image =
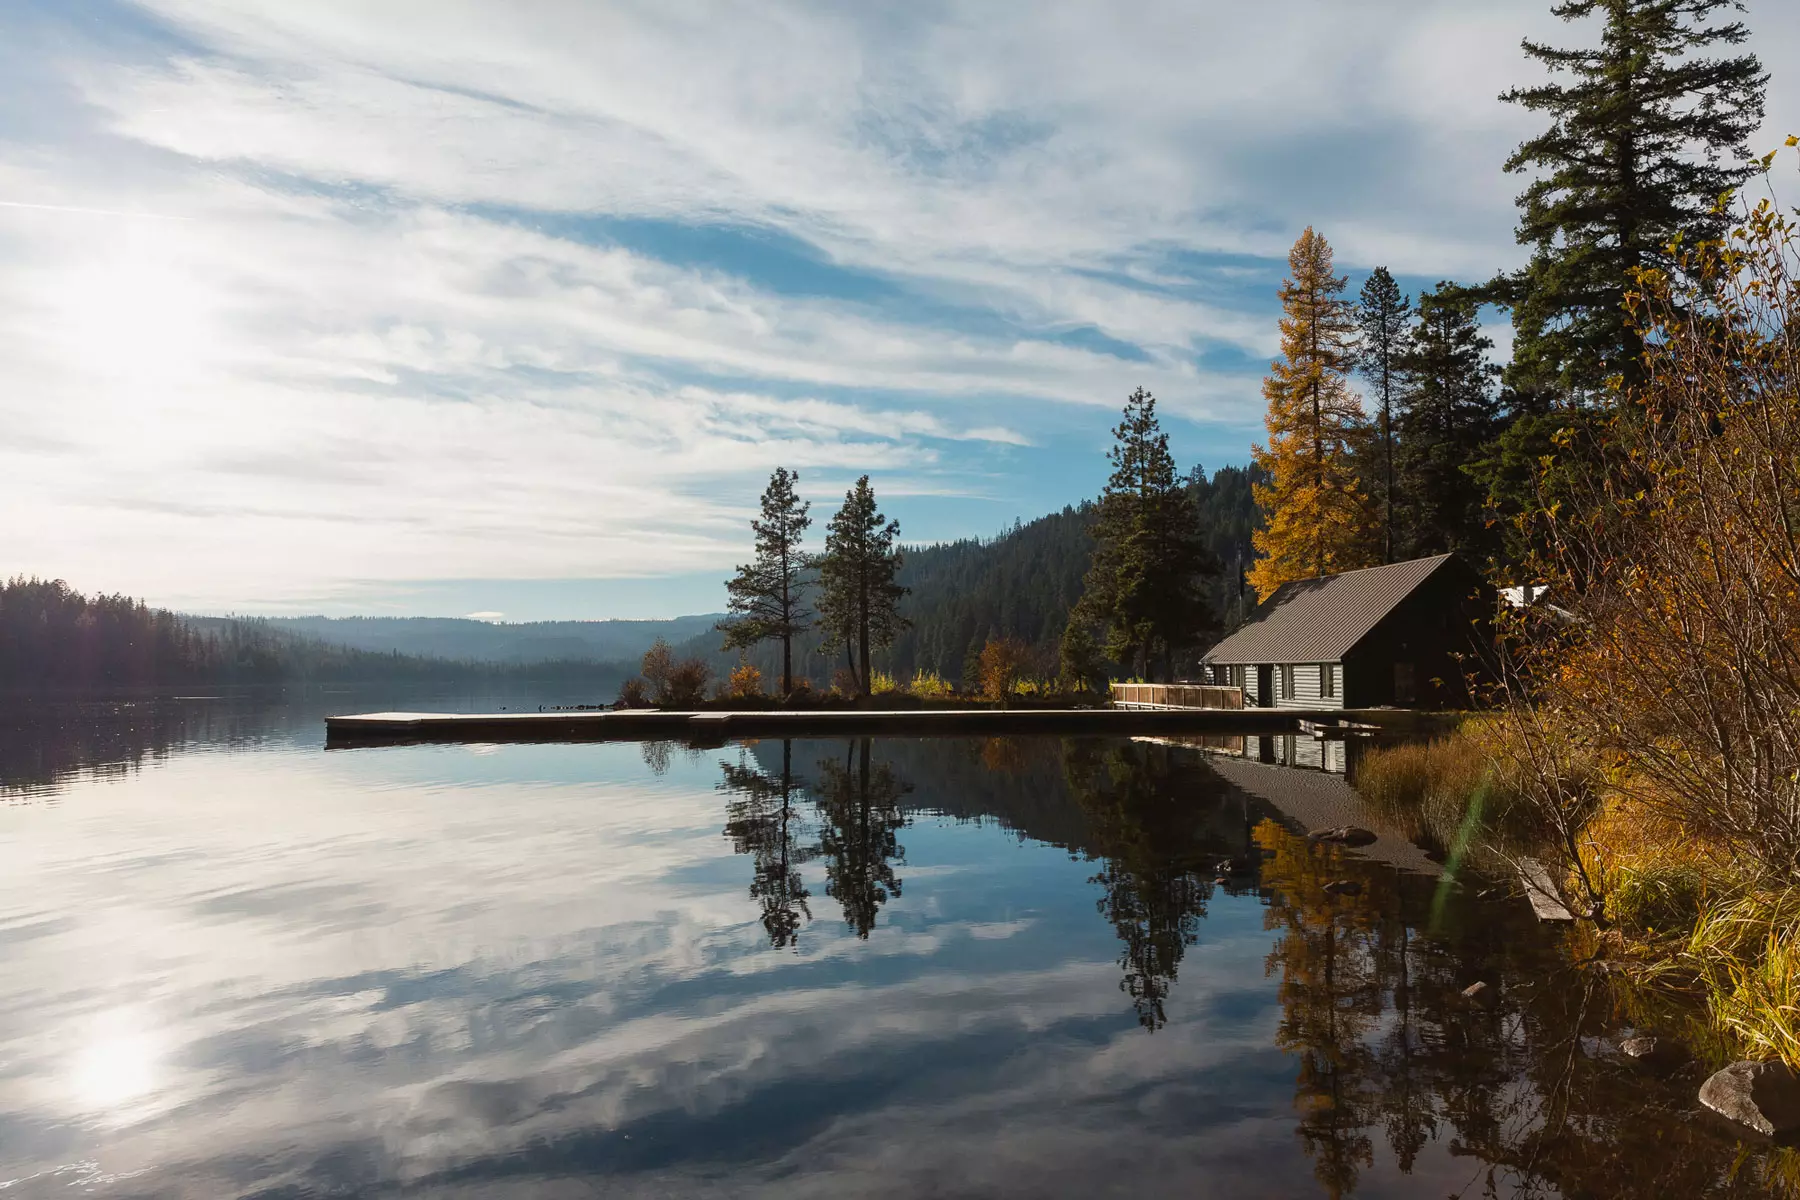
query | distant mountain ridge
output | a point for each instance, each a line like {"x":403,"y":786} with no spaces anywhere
{"x":463,"y":639}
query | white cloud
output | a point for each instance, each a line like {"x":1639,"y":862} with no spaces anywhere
{"x":370,"y":346}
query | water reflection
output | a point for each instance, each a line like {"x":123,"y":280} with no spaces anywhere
{"x":542,"y":971}
{"x":762,"y":821}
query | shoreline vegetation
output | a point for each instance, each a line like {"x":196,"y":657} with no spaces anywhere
{"x":1645,"y":736}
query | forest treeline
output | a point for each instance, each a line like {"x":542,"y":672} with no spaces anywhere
{"x":54,"y":638}
{"x":1391,"y":431}
{"x":1019,"y":585}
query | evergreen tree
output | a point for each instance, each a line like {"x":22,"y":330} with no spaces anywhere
{"x":1317,"y":520}
{"x":1079,"y":665}
{"x":1447,"y":415}
{"x":1381,"y":316}
{"x":858,"y":595}
{"x":1631,"y":163}
{"x":770,"y":592}
{"x":1147,"y":582}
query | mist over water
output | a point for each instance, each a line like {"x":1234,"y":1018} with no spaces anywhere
{"x":232,"y":963}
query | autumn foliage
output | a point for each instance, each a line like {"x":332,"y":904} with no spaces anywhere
{"x":1680,"y":557}
{"x":1318,"y":519}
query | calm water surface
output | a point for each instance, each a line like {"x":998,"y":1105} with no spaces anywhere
{"x":235,"y":964}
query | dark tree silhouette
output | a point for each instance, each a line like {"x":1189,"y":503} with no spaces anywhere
{"x":761,"y":821}
{"x":860,"y":821}
{"x":858,"y":601}
{"x":1147,"y":586}
{"x":1646,"y":131}
{"x":769,"y":593}
{"x":1382,"y":313}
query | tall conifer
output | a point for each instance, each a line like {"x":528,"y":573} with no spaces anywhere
{"x":1317,"y":519}
{"x":858,"y":598}
{"x":1382,"y":314}
{"x":1146,"y":587}
{"x":1645,"y":134}
{"x":770,"y":592}
{"x":1447,"y":413}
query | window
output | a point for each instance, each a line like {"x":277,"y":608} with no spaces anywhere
{"x":1287,"y":682}
{"x":1327,"y":680}
{"x":1404,"y":688}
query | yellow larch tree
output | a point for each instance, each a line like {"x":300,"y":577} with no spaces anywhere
{"x":1317,"y":520}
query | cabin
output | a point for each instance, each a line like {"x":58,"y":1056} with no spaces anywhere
{"x":1403,"y":635}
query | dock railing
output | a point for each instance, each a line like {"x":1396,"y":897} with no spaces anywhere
{"x":1176,"y":695}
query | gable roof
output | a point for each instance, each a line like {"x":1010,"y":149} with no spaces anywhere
{"x":1319,"y":620}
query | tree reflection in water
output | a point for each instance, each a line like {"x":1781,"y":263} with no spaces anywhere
{"x":1159,"y":824}
{"x":1393,"y":1065}
{"x":1520,"y":1080}
{"x":761,"y":821}
{"x":860,"y":820}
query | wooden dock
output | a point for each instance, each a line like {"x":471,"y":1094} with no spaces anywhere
{"x":1545,"y":902}
{"x":1337,"y":731}
{"x":390,"y":728}
{"x":1176,"y":695}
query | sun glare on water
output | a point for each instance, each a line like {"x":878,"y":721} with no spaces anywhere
{"x":117,"y":1065}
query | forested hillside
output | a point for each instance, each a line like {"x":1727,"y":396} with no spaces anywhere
{"x":54,"y":638}
{"x":463,"y":639}
{"x":1020,"y":584}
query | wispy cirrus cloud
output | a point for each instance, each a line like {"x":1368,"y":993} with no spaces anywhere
{"x":459,"y":290}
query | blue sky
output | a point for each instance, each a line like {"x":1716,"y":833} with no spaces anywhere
{"x":465,"y":306}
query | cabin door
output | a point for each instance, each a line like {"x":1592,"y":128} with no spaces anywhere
{"x":1265,"y":686}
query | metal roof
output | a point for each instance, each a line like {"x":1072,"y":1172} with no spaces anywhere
{"x":1319,"y":620}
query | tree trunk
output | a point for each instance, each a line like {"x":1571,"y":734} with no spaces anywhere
{"x":862,"y":628}
{"x":787,"y":631}
{"x":1387,"y":440}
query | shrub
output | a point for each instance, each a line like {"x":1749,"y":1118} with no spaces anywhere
{"x":658,"y":665}
{"x":929,"y":685}
{"x":687,"y":683}
{"x":881,"y":684}
{"x":634,"y":693}
{"x":745,"y":682}
{"x":1002,"y":662}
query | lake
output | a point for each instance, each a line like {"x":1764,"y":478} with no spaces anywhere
{"x":233,"y":963}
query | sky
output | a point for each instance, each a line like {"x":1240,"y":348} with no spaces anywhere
{"x":437,"y":307}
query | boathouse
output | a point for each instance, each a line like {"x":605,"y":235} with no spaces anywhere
{"x":1405,"y":634}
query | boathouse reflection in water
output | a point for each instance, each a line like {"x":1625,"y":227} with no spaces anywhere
{"x":1387,"y":1049}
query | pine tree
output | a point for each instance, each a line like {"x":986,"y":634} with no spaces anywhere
{"x":1317,"y":520}
{"x":1382,"y":316}
{"x":770,"y":592}
{"x":858,"y":595}
{"x":1447,"y":414}
{"x":1147,"y":583}
{"x":1631,"y":163}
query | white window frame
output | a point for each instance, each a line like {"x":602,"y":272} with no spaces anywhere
{"x":1328,"y":681}
{"x":1284,"y":681}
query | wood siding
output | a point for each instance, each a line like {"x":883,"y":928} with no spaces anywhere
{"x":1307,"y":692}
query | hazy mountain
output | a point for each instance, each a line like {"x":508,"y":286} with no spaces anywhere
{"x":460,"y":639}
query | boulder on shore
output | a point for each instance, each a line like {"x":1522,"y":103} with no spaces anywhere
{"x":1346,"y":835}
{"x":1763,"y":1096}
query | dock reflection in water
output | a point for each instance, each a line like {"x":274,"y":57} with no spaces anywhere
{"x":1022,"y":966}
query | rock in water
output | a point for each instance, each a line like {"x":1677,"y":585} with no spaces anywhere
{"x":1348,"y":835}
{"x":1642,"y":1046}
{"x":1764,"y":1096}
{"x":1478,"y":993}
{"x":1343,"y":887}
